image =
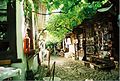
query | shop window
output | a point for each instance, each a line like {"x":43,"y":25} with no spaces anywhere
{"x":8,"y":49}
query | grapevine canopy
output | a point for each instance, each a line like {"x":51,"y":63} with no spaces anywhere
{"x":72,"y":13}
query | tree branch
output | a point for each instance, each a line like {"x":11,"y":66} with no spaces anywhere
{"x":68,"y":29}
{"x":47,"y":14}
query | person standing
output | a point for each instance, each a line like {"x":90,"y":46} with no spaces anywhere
{"x":48,"y":57}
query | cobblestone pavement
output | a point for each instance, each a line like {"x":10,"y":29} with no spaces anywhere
{"x":70,"y":70}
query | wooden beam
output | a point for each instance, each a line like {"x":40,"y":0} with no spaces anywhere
{"x":5,"y":62}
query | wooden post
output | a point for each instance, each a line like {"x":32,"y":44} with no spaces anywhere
{"x":84,"y":44}
{"x":75,"y":51}
{"x":53,"y":71}
{"x":48,"y":58}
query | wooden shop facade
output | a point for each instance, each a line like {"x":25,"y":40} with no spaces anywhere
{"x":98,"y":39}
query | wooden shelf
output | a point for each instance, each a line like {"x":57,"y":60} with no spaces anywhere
{"x":89,"y":44}
{"x":89,"y":53}
{"x":5,"y":62}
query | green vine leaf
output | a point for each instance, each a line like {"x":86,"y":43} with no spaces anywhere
{"x":75,"y":11}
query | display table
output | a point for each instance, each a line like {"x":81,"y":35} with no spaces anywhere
{"x":7,"y":72}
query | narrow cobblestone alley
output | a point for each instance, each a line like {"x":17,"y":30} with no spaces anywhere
{"x":68,"y":69}
{"x":59,"y":40}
